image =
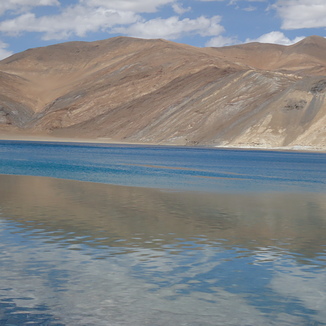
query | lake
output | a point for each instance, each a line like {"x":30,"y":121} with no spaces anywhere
{"x":97,"y":234}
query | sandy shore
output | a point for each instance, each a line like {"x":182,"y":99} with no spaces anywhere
{"x":48,"y":138}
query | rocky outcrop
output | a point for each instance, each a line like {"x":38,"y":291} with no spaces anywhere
{"x":156,"y":91}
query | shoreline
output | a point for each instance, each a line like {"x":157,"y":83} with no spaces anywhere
{"x":46,"y":138}
{"x":103,"y":140}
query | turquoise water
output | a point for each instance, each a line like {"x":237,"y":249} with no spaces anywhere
{"x":131,"y":246}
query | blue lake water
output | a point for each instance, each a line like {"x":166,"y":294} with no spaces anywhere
{"x":141,"y":235}
{"x":168,"y":167}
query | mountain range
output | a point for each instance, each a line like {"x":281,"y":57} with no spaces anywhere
{"x":157,"y":91}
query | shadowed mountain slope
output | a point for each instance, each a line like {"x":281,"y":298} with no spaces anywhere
{"x":134,"y":90}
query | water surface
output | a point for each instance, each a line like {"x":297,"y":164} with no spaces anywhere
{"x":79,"y":253}
{"x":179,"y":168}
{"x":84,"y":253}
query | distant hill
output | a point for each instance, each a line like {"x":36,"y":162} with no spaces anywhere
{"x":157,"y":91}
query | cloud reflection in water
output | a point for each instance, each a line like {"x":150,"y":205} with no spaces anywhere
{"x":78,"y":253}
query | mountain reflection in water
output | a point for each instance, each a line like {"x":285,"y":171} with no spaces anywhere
{"x":79,"y":253}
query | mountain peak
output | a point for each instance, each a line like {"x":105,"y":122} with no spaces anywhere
{"x":313,"y":40}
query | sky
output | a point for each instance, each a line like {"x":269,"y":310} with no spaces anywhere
{"x":28,"y":24}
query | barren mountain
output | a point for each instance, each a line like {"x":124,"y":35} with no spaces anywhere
{"x":156,"y":91}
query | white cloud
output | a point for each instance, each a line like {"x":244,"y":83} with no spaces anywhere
{"x":297,"y":14}
{"x":275,"y":37}
{"x":112,"y":17}
{"x":173,"y":28}
{"x":4,"y":53}
{"x":23,"y":5}
{"x":179,"y":9}
{"x":220,"y":40}
{"x":250,"y":8}
{"x":128,"y":5}
{"x":233,"y":2}
{"x":76,"y":20}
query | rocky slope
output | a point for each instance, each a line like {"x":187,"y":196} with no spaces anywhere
{"x":156,"y":91}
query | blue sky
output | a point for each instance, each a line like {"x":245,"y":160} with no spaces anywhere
{"x":32,"y":23}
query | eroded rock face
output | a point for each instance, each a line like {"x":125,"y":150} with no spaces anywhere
{"x":157,"y":91}
{"x":319,"y":87}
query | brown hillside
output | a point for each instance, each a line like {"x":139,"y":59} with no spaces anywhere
{"x":128,"y":89}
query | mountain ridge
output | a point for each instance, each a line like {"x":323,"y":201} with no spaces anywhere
{"x":158,"y":91}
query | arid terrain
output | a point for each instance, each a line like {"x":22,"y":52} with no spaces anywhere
{"x":157,"y":91}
